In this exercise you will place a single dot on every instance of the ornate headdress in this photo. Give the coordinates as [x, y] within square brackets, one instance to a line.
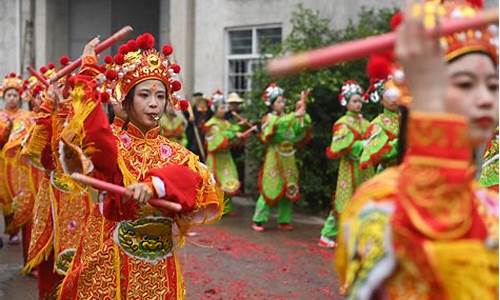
[12, 81]
[272, 92]
[217, 99]
[349, 88]
[378, 70]
[483, 40]
[137, 61]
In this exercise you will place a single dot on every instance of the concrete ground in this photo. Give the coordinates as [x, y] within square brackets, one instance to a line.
[229, 260]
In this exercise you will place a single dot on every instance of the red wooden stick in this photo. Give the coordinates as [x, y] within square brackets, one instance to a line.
[113, 188]
[38, 76]
[334, 54]
[117, 36]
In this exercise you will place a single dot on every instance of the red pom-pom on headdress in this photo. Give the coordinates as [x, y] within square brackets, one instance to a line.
[184, 105]
[146, 41]
[175, 85]
[132, 45]
[111, 74]
[102, 68]
[378, 67]
[64, 60]
[167, 50]
[12, 75]
[119, 59]
[43, 69]
[37, 89]
[176, 68]
[396, 19]
[123, 49]
[108, 59]
[51, 65]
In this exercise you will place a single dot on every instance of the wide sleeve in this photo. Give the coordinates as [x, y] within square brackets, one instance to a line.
[302, 128]
[437, 169]
[288, 128]
[344, 141]
[37, 148]
[87, 141]
[194, 187]
[268, 129]
[438, 142]
[218, 138]
[377, 146]
[5, 127]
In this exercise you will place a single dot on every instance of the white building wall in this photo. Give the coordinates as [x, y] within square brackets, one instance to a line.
[181, 36]
[212, 17]
[10, 36]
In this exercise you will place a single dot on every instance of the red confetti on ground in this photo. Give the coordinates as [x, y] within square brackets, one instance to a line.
[223, 264]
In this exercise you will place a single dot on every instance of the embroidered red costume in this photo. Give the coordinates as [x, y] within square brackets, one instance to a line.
[128, 249]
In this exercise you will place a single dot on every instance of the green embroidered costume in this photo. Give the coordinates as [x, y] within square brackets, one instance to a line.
[380, 141]
[172, 126]
[489, 171]
[279, 176]
[220, 134]
[346, 145]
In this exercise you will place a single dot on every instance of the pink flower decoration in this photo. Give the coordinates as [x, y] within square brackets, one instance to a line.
[72, 225]
[126, 140]
[165, 151]
[343, 184]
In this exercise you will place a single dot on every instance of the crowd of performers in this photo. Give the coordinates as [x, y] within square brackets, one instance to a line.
[408, 217]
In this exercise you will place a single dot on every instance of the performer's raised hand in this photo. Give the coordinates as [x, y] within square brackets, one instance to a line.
[300, 108]
[422, 60]
[55, 93]
[89, 49]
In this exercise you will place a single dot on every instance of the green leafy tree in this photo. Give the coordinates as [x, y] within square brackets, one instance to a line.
[309, 31]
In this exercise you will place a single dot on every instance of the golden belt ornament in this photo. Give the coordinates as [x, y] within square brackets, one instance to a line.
[62, 181]
[63, 261]
[148, 239]
[286, 149]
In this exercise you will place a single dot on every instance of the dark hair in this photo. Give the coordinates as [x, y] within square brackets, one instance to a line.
[403, 127]
[129, 100]
[197, 94]
[12, 88]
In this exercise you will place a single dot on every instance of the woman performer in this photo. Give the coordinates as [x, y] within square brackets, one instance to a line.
[220, 136]
[128, 251]
[425, 229]
[346, 145]
[279, 176]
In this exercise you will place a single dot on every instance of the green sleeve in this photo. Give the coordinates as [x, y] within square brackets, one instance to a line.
[232, 131]
[376, 145]
[268, 128]
[357, 149]
[216, 139]
[394, 149]
[342, 140]
[291, 128]
[301, 127]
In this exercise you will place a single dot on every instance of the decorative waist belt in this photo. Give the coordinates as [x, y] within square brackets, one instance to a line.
[286, 148]
[148, 239]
